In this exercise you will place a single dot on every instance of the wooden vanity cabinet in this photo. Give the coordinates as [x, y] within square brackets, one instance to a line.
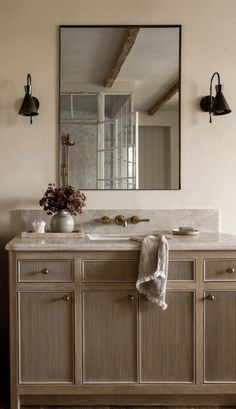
[110, 318]
[42, 294]
[81, 334]
[109, 336]
[220, 318]
[46, 341]
[220, 336]
[127, 339]
[167, 339]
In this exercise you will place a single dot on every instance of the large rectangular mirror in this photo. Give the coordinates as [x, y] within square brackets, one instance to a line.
[120, 107]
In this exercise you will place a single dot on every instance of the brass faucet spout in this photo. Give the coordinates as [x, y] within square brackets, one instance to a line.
[121, 220]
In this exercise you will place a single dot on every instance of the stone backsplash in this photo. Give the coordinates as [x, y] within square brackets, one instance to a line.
[206, 220]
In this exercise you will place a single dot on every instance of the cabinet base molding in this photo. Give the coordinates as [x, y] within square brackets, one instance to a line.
[132, 402]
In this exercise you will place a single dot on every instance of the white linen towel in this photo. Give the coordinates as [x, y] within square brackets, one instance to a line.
[153, 269]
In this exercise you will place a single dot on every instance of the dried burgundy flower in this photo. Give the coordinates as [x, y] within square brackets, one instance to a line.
[66, 198]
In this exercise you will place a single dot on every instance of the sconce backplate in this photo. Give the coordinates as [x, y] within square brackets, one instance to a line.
[206, 102]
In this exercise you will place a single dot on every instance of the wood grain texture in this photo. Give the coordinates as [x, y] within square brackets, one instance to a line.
[220, 337]
[181, 270]
[167, 339]
[46, 337]
[13, 332]
[173, 327]
[129, 390]
[110, 270]
[34, 270]
[109, 336]
[126, 45]
[164, 99]
[193, 402]
[220, 269]
[126, 407]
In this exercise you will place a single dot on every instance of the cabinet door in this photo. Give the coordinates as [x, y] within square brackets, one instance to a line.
[167, 339]
[220, 336]
[109, 336]
[46, 337]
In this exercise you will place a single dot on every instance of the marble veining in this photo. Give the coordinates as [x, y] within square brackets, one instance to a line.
[205, 241]
[205, 220]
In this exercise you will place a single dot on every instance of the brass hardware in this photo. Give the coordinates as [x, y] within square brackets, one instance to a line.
[121, 220]
[131, 297]
[45, 271]
[64, 171]
[66, 298]
[104, 220]
[136, 219]
[230, 270]
[210, 297]
[67, 143]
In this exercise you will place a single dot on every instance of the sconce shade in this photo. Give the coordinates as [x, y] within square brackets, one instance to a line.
[220, 106]
[215, 105]
[30, 104]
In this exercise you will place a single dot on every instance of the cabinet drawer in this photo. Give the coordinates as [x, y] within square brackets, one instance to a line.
[45, 270]
[220, 270]
[95, 271]
[181, 270]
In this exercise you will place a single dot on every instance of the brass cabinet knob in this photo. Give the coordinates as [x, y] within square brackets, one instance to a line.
[230, 270]
[45, 271]
[131, 297]
[210, 297]
[66, 298]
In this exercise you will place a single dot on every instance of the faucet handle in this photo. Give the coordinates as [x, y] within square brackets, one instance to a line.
[136, 219]
[104, 220]
[121, 220]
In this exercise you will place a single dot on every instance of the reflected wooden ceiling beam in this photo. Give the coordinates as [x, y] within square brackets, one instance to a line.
[162, 101]
[126, 45]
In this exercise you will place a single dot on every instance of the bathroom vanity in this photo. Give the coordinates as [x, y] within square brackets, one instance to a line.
[81, 334]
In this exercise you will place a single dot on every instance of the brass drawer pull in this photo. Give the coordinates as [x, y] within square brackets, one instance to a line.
[230, 270]
[45, 271]
[210, 297]
[66, 298]
[131, 297]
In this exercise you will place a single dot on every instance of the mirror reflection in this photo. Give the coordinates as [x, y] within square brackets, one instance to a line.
[119, 107]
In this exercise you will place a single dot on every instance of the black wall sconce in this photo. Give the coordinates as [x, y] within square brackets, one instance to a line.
[30, 104]
[215, 105]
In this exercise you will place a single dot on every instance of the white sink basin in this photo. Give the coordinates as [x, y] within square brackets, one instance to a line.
[104, 236]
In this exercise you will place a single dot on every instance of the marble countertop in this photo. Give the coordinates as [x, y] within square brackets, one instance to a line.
[203, 241]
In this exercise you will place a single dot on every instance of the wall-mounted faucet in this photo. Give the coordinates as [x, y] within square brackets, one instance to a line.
[121, 220]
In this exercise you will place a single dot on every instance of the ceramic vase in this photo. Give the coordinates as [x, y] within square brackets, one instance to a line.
[62, 222]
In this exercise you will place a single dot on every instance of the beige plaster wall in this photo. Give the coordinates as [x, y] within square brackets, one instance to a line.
[28, 153]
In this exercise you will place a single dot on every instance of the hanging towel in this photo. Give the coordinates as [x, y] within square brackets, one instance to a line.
[153, 269]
